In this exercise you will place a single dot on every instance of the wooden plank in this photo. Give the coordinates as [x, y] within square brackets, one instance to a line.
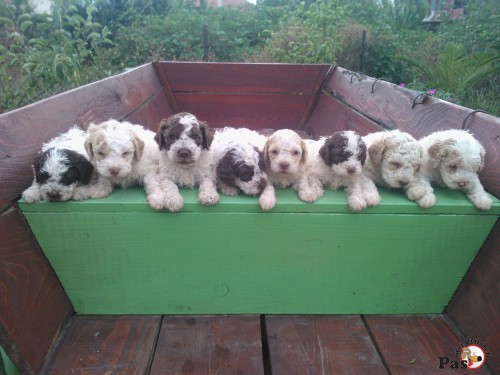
[299, 79]
[254, 111]
[413, 344]
[105, 345]
[33, 305]
[330, 268]
[209, 345]
[476, 306]
[23, 131]
[330, 115]
[321, 345]
[152, 112]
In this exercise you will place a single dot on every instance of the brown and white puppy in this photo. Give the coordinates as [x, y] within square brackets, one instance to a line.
[393, 160]
[285, 154]
[185, 160]
[453, 158]
[62, 170]
[239, 161]
[125, 155]
[337, 162]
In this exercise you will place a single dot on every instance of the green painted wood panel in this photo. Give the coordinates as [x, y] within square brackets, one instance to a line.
[116, 256]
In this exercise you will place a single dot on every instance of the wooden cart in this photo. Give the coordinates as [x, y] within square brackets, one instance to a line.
[111, 286]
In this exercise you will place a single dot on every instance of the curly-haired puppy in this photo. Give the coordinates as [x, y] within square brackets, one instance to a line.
[61, 170]
[125, 155]
[337, 161]
[185, 159]
[453, 158]
[285, 155]
[239, 162]
[393, 160]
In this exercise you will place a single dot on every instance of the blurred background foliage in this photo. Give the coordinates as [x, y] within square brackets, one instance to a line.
[80, 41]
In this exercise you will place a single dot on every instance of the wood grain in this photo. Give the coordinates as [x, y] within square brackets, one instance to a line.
[33, 305]
[152, 112]
[105, 345]
[476, 306]
[413, 344]
[23, 131]
[209, 345]
[321, 345]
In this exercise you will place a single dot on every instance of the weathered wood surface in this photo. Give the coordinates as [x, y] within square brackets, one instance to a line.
[321, 345]
[33, 305]
[391, 105]
[476, 304]
[209, 345]
[251, 95]
[23, 131]
[413, 344]
[105, 345]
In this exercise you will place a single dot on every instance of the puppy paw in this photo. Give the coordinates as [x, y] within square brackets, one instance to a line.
[174, 202]
[372, 198]
[31, 195]
[267, 201]
[356, 203]
[228, 190]
[482, 201]
[416, 193]
[156, 201]
[308, 196]
[80, 195]
[428, 200]
[208, 198]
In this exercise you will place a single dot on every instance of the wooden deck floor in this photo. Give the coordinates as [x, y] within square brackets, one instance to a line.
[253, 344]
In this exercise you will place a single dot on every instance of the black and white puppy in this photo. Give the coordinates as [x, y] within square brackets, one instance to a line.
[239, 161]
[185, 160]
[61, 170]
[337, 162]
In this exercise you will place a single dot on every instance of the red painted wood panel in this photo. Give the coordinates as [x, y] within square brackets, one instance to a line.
[152, 112]
[209, 345]
[412, 344]
[475, 307]
[33, 304]
[105, 345]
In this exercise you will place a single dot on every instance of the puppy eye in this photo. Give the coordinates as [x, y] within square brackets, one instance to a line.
[125, 154]
[172, 137]
[395, 165]
[296, 152]
[274, 152]
[453, 167]
[417, 168]
[101, 154]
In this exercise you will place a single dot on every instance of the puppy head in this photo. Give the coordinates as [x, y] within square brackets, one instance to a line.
[59, 172]
[344, 152]
[113, 148]
[285, 152]
[183, 137]
[397, 156]
[458, 160]
[243, 170]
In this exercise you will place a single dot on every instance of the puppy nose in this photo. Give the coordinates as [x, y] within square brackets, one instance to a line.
[351, 170]
[284, 165]
[184, 153]
[462, 183]
[114, 171]
[403, 182]
[54, 195]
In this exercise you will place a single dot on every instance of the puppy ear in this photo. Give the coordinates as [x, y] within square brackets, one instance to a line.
[38, 162]
[303, 146]
[482, 154]
[206, 135]
[439, 150]
[324, 151]
[362, 151]
[138, 146]
[159, 137]
[88, 140]
[376, 151]
[84, 168]
[225, 170]
[265, 151]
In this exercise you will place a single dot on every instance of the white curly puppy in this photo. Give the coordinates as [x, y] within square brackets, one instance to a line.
[393, 160]
[453, 158]
[337, 161]
[239, 162]
[285, 155]
[62, 170]
[125, 155]
[185, 160]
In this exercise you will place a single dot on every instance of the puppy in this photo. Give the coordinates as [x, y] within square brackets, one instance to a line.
[61, 170]
[239, 162]
[285, 156]
[125, 155]
[453, 158]
[393, 160]
[185, 159]
[337, 161]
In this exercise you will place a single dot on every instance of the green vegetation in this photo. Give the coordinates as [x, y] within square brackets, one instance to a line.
[85, 40]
